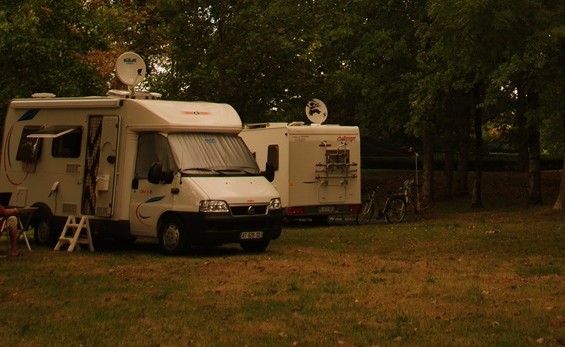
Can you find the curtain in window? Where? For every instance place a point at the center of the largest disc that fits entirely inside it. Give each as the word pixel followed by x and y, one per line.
pixel 212 151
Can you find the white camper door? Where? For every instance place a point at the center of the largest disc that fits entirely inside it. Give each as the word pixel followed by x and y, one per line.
pixel 101 157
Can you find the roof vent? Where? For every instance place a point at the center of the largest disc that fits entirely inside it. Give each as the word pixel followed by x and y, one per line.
pixel 123 94
pixel 43 95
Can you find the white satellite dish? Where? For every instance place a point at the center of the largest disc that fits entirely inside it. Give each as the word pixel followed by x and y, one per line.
pixel 131 69
pixel 316 111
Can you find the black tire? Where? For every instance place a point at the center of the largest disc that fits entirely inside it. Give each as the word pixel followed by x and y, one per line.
pixel 395 210
pixel 43 232
pixel 424 210
pixel 366 213
pixel 173 238
pixel 255 246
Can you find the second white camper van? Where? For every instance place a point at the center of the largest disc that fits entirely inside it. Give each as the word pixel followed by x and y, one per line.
pixel 316 167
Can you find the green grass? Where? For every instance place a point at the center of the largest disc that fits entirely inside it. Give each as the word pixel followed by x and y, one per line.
pixel 492 277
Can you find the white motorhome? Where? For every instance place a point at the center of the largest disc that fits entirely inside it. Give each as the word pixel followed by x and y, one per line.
pixel 316 167
pixel 137 167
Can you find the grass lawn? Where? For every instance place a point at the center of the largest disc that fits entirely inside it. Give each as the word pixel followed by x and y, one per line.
pixel 488 277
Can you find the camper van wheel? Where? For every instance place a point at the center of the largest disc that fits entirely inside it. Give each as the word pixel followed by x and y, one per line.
pixel 259 245
pixel 43 233
pixel 172 236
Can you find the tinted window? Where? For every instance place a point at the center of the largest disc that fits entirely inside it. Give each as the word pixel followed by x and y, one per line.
pixel 68 145
pixel 29 148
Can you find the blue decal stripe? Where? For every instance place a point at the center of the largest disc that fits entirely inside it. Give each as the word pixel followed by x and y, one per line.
pixel 29 115
pixel 155 199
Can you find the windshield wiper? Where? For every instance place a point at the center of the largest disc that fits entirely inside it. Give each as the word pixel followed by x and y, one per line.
pixel 239 169
pixel 204 169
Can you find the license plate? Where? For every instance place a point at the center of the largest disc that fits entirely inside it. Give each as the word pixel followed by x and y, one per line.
pixel 325 209
pixel 247 235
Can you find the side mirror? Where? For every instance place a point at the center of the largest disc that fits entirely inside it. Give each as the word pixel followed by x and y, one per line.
pixel 155 171
pixel 167 176
pixel 156 174
pixel 269 172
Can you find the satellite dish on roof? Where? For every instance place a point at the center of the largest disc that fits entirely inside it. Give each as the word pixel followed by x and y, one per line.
pixel 316 111
pixel 131 69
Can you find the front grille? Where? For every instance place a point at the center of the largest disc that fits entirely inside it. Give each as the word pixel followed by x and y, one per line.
pixel 248 210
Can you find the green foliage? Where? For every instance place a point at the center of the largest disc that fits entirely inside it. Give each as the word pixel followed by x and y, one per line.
pixel 253 55
pixel 393 68
pixel 43 49
pixel 268 58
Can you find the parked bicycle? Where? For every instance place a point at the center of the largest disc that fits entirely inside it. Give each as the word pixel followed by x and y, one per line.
pixel 393 209
pixel 414 199
pixel 410 191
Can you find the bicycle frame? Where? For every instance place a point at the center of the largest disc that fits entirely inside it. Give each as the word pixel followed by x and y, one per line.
pixel 391 210
pixel 413 198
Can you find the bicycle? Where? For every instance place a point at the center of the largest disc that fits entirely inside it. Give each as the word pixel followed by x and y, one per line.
pixel 410 191
pixel 414 199
pixel 393 210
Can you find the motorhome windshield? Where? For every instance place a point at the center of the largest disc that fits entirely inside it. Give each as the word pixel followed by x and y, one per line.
pixel 212 154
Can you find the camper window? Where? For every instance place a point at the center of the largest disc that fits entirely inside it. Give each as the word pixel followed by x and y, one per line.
pixel 337 156
pixel 29 148
pixel 273 156
pixel 66 140
pixel 67 145
pixel 152 148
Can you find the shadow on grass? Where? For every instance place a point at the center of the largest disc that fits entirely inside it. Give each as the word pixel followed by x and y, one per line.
pixel 149 247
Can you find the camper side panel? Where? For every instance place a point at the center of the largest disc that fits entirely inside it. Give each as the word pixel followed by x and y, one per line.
pixel 273 141
pixel 32 167
pixel 65 159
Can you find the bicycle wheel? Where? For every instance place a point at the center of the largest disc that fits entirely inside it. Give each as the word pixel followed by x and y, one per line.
pixel 395 209
pixel 366 212
pixel 423 207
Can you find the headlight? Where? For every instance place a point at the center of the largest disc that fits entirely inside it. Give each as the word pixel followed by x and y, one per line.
pixel 275 204
pixel 213 206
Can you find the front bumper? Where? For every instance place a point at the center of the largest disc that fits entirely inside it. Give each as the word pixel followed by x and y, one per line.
pixel 220 228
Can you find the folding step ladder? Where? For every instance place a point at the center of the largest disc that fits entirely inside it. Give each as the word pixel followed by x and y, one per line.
pixel 76 239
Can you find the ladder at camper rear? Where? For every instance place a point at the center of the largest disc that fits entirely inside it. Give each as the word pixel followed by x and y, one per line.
pixel 337 165
pixel 80 234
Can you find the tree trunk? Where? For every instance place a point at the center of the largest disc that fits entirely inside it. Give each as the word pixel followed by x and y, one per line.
pixel 560 202
pixel 476 195
pixel 449 163
pixel 534 168
pixel 462 184
pixel 522 136
pixel 428 169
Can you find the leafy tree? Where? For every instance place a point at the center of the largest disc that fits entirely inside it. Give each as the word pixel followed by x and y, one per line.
pixel 364 58
pixel 44 48
pixel 251 54
pixel 465 47
pixel 524 77
pixel 268 58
